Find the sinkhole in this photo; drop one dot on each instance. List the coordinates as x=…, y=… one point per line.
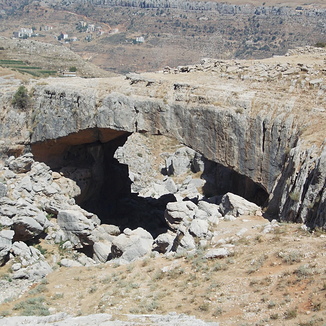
x=88, y=158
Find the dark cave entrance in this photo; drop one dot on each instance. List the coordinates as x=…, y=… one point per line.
x=105, y=185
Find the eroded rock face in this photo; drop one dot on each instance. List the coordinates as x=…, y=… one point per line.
x=221, y=122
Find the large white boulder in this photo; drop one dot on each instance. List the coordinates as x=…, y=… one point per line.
x=235, y=205
x=131, y=245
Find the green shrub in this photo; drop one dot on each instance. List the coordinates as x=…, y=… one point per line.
x=72, y=69
x=320, y=45
x=21, y=98
x=32, y=307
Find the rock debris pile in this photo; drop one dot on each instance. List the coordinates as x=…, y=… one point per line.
x=37, y=203
x=303, y=74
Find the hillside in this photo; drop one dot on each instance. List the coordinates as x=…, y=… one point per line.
x=106, y=33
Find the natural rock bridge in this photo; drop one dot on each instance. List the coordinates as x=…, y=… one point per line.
x=254, y=129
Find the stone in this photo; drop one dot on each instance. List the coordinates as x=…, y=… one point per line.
x=179, y=212
x=21, y=164
x=163, y=243
x=198, y=228
x=187, y=243
x=26, y=228
x=6, y=237
x=212, y=211
x=217, y=253
x=102, y=251
x=76, y=226
x=235, y=205
x=132, y=245
x=180, y=162
x=63, y=319
x=69, y=263
x=7, y=207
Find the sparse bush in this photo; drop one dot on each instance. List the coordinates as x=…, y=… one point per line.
x=303, y=271
x=217, y=312
x=204, y=307
x=292, y=257
x=93, y=289
x=21, y=98
x=32, y=307
x=320, y=45
x=58, y=296
x=39, y=289
x=290, y=314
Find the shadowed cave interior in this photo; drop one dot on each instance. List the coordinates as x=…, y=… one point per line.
x=105, y=184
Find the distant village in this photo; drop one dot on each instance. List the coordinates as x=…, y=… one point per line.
x=82, y=27
x=91, y=31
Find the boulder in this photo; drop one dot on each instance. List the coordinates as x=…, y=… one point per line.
x=21, y=164
x=76, y=226
x=212, y=211
x=163, y=243
x=7, y=207
x=180, y=162
x=26, y=228
x=69, y=263
x=179, y=212
x=217, y=253
x=132, y=244
x=102, y=251
x=32, y=263
x=6, y=237
x=235, y=205
x=199, y=228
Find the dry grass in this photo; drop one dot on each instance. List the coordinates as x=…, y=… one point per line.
x=257, y=283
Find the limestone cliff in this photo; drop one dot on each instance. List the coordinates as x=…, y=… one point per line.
x=265, y=120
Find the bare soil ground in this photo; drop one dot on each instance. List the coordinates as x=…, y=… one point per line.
x=276, y=278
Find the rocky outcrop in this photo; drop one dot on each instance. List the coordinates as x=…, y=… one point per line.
x=132, y=244
x=238, y=124
x=62, y=319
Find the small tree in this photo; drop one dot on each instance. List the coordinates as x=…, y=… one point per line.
x=72, y=69
x=21, y=98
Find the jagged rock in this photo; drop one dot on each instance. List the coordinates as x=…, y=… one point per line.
x=26, y=228
x=236, y=206
x=187, y=243
x=21, y=164
x=29, y=221
x=76, y=226
x=163, y=243
x=170, y=186
x=34, y=272
x=102, y=251
x=7, y=207
x=5, y=221
x=199, y=228
x=179, y=212
x=32, y=262
x=183, y=160
x=69, y=263
x=132, y=244
x=62, y=319
x=217, y=253
x=6, y=237
x=212, y=211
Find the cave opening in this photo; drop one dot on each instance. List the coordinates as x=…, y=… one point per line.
x=106, y=188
